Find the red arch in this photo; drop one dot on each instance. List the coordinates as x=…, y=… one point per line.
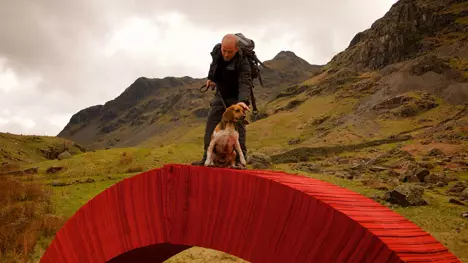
x=260, y=216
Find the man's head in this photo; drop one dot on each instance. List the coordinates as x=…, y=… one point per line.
x=229, y=46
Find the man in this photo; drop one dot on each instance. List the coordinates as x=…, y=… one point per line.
x=230, y=74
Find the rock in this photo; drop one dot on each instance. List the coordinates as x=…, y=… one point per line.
x=58, y=183
x=320, y=120
x=399, y=35
x=464, y=195
x=89, y=180
x=427, y=165
x=392, y=102
x=64, y=155
x=32, y=170
x=358, y=167
x=307, y=167
x=440, y=184
x=392, y=173
x=421, y=174
x=291, y=105
x=450, y=178
x=435, y=152
x=377, y=169
x=426, y=142
x=457, y=189
x=343, y=161
x=434, y=179
x=407, y=195
x=259, y=161
x=465, y=214
x=352, y=174
x=429, y=63
x=294, y=141
x=54, y=169
x=455, y=201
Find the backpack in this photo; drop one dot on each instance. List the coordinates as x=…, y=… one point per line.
x=247, y=46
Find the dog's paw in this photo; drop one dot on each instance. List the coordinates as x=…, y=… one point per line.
x=243, y=162
x=208, y=163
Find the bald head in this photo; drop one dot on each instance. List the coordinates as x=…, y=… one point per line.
x=229, y=46
x=230, y=39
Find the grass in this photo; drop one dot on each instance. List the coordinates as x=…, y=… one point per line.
x=460, y=64
x=26, y=217
x=24, y=149
x=68, y=199
x=456, y=8
x=462, y=20
x=203, y=255
x=275, y=132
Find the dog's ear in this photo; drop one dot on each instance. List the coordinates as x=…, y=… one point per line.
x=228, y=115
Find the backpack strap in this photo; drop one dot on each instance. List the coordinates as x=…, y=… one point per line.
x=254, y=104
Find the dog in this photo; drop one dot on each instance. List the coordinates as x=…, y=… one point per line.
x=225, y=140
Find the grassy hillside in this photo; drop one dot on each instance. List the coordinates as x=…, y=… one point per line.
x=85, y=175
x=16, y=150
x=387, y=115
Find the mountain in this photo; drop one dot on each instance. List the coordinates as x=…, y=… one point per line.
x=149, y=107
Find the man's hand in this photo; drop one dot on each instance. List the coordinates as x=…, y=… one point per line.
x=211, y=84
x=244, y=106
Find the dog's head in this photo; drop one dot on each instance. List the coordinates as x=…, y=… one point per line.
x=234, y=113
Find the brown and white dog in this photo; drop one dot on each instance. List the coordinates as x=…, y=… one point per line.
x=225, y=140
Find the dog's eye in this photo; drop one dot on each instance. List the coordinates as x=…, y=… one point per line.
x=237, y=110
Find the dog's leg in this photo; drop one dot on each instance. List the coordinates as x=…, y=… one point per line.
x=209, y=154
x=232, y=160
x=241, y=154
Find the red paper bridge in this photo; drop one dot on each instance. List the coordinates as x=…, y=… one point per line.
x=260, y=216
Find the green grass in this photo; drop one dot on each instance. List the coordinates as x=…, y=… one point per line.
x=68, y=199
x=275, y=132
x=25, y=149
x=462, y=20
x=456, y=8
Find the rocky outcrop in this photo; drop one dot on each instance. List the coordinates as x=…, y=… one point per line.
x=402, y=33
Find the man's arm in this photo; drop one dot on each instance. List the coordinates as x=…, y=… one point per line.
x=245, y=82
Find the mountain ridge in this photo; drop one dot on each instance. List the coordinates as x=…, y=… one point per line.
x=149, y=105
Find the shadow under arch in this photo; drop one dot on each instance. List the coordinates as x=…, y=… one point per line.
x=260, y=216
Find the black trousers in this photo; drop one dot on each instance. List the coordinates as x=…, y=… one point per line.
x=214, y=117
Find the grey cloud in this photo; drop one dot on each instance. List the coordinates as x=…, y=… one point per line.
x=64, y=42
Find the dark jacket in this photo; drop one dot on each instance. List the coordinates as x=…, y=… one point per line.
x=233, y=78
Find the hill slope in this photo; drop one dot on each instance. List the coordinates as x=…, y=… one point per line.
x=18, y=150
x=387, y=118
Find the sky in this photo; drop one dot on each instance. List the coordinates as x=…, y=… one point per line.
x=58, y=57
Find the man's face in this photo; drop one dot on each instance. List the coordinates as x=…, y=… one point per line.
x=228, y=50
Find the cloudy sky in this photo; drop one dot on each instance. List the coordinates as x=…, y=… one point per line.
x=58, y=57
